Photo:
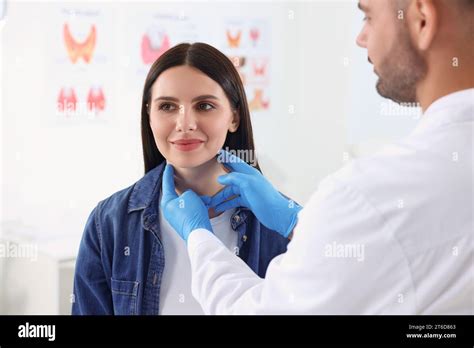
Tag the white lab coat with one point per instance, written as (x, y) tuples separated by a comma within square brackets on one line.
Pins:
[(389, 234)]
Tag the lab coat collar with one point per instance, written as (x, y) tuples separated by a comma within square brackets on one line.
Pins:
[(452, 108)]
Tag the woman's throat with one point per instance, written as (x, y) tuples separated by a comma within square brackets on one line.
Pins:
[(202, 180), (207, 186)]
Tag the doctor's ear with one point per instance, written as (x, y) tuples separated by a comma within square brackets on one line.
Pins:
[(235, 121), (425, 23)]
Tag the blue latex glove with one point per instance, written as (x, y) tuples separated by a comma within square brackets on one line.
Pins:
[(184, 213), (254, 191)]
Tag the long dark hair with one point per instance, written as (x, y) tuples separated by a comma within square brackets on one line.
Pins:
[(218, 67)]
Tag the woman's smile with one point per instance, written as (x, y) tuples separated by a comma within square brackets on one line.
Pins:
[(187, 144)]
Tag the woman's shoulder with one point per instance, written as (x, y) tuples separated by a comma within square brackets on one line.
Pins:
[(117, 199), (134, 197)]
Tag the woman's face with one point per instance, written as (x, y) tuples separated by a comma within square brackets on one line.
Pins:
[(190, 116)]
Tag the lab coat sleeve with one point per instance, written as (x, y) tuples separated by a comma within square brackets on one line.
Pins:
[(342, 260)]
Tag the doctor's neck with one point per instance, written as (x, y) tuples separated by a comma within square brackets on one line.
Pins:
[(445, 79), (450, 58)]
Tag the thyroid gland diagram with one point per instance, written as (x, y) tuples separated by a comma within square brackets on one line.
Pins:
[(233, 39), (75, 49), (153, 45), (259, 68), (68, 102), (254, 35), (257, 102), (96, 99)]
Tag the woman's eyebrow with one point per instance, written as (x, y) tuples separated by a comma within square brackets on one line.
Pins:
[(201, 97), (167, 98), (206, 96)]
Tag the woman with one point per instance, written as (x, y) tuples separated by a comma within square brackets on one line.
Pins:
[(130, 260)]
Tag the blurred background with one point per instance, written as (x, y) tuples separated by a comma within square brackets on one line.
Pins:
[(72, 75)]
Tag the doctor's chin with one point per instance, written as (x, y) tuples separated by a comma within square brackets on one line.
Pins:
[(191, 166)]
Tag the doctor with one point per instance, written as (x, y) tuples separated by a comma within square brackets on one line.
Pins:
[(390, 234)]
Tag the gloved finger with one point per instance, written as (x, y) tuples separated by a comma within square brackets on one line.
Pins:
[(169, 191), (233, 203), (206, 200), (224, 195), (234, 178), (191, 197), (235, 163)]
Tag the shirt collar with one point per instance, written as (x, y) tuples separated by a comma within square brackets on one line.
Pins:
[(454, 107)]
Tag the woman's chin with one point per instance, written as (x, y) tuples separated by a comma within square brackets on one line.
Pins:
[(189, 161)]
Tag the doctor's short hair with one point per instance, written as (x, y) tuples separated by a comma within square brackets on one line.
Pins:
[(464, 7), (463, 3), (218, 67)]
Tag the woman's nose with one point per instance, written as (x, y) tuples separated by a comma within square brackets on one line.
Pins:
[(185, 121)]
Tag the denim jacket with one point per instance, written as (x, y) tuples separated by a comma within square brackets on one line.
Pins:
[(121, 259)]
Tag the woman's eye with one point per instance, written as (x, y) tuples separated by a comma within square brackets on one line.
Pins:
[(205, 106), (167, 107)]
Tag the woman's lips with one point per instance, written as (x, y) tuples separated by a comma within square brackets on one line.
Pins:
[(187, 144)]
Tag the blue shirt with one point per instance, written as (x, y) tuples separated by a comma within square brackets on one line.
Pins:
[(120, 263)]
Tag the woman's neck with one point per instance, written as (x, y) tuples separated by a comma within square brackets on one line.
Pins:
[(201, 179)]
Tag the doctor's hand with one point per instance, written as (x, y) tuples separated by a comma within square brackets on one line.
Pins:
[(185, 213), (254, 191)]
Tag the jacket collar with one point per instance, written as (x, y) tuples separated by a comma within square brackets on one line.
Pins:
[(146, 189)]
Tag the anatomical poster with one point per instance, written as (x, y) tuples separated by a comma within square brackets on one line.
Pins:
[(81, 63), (95, 53), (247, 42)]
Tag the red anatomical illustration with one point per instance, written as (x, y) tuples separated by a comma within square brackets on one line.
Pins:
[(76, 50), (151, 52), (96, 99), (67, 100)]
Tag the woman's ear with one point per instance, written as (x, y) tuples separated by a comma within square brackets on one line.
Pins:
[(234, 125)]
